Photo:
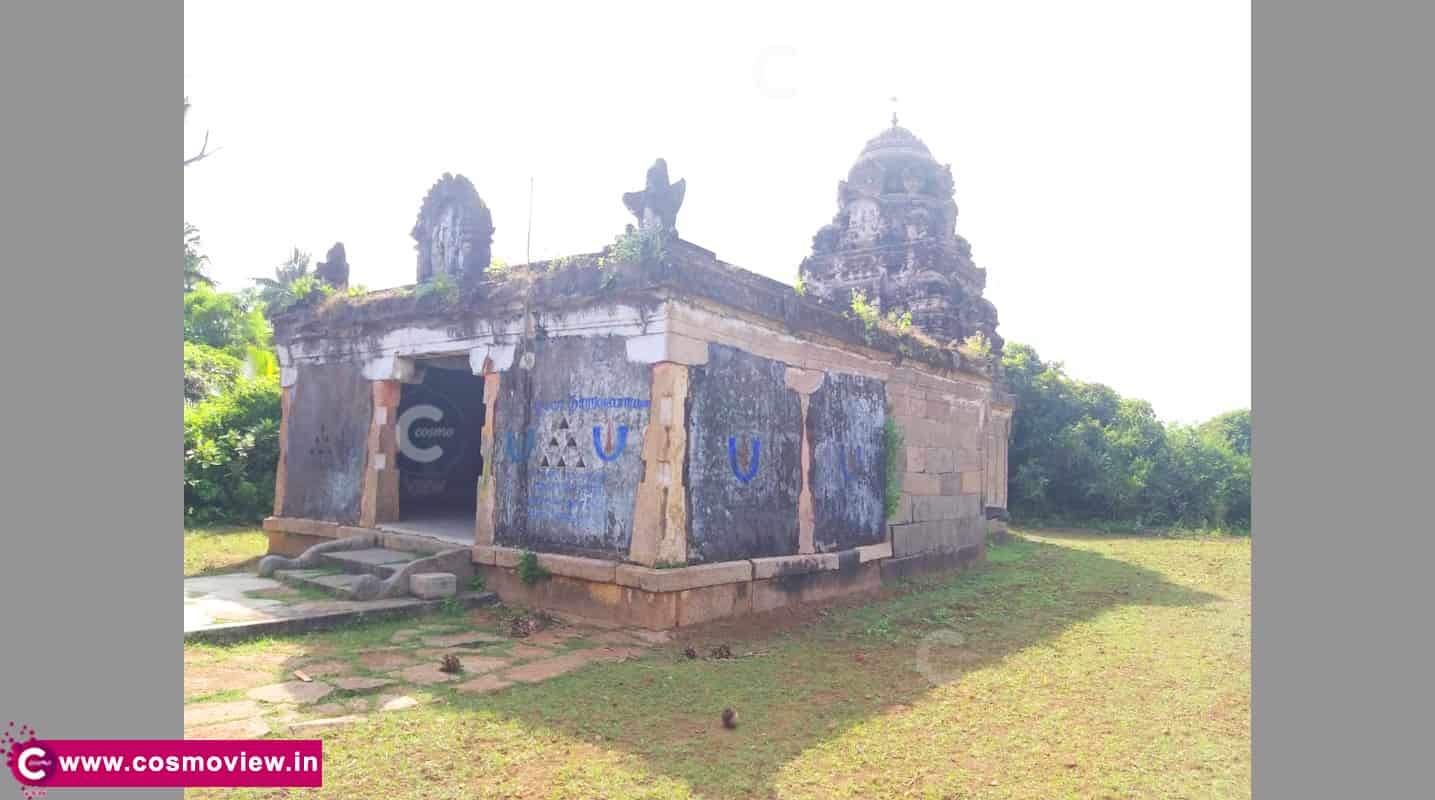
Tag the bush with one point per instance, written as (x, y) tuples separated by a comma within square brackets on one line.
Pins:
[(1082, 454), (231, 454), (208, 372)]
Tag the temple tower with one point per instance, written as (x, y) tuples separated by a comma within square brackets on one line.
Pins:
[(894, 237)]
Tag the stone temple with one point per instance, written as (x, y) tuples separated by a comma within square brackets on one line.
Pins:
[(671, 438)]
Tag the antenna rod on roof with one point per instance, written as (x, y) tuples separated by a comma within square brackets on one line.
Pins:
[(528, 246)]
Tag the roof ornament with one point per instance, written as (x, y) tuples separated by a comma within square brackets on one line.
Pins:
[(656, 206)]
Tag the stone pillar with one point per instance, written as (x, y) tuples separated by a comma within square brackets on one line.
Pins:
[(285, 395), (484, 519), (380, 500), (660, 520), (805, 382)]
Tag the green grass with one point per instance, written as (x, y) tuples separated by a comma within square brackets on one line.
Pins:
[(1069, 665), (208, 551)]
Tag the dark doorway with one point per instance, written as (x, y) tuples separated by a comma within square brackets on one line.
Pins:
[(439, 422)]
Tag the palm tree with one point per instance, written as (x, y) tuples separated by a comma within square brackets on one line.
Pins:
[(280, 291), (194, 261)]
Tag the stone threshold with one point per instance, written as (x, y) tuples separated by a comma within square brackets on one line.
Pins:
[(383, 610)]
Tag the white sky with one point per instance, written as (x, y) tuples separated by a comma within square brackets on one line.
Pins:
[(1101, 151)]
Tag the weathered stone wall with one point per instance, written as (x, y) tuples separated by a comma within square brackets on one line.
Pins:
[(844, 426), (569, 422), (724, 432), (326, 431), (744, 458)]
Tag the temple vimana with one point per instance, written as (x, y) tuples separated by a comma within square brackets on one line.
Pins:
[(647, 434)]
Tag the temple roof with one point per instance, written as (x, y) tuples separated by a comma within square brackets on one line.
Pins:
[(896, 141)]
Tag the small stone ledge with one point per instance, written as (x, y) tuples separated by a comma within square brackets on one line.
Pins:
[(779, 566), (308, 527), (497, 556), (874, 552), (588, 569), (683, 578)]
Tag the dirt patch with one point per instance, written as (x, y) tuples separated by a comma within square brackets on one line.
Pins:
[(483, 685), (380, 660), (200, 680)]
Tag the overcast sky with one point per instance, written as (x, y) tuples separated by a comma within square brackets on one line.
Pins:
[(1101, 151)]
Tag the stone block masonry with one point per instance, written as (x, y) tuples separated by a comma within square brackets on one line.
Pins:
[(675, 438)]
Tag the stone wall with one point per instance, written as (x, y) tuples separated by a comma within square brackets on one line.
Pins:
[(681, 430), (571, 417)]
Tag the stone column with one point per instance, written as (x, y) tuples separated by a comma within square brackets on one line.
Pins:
[(485, 515), (285, 395), (805, 382), (660, 520), (380, 500)]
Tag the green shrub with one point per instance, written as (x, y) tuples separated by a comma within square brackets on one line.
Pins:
[(231, 454), (208, 372), (892, 441), (529, 570)]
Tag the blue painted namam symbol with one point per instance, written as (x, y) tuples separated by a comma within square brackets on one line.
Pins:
[(743, 477), (842, 464), (510, 445), (609, 452)]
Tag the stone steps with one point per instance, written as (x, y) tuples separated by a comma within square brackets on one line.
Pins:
[(378, 561), (339, 584)]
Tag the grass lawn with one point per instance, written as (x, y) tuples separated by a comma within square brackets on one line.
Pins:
[(1069, 665), (222, 549)]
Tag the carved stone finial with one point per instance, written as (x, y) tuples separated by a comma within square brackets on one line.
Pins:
[(454, 231), (656, 206), (334, 269)]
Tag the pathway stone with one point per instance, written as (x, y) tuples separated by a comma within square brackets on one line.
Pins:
[(315, 725), (478, 664), (425, 674), (250, 728), (291, 692), (458, 639), (651, 637), (323, 668), (553, 667), (396, 702), (483, 684), (205, 679), (404, 635), (362, 684), (380, 660), (199, 714)]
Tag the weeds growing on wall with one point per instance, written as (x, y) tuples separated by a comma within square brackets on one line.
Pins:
[(529, 570), (865, 310), (892, 441), (441, 286)]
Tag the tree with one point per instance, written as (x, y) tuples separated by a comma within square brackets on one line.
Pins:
[(204, 151), (291, 283), (194, 261)]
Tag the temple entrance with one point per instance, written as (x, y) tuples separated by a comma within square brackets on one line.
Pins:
[(439, 458)]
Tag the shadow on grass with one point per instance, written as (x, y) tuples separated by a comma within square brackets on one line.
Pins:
[(854, 663)]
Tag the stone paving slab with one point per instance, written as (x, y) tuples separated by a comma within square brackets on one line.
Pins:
[(483, 684), (536, 671), (291, 692), (460, 639), (425, 675), (396, 703), (362, 684), (248, 728), (385, 659), (201, 714), (217, 608), (524, 652)]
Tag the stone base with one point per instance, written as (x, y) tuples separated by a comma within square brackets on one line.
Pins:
[(633, 595), (661, 610), (292, 545)]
